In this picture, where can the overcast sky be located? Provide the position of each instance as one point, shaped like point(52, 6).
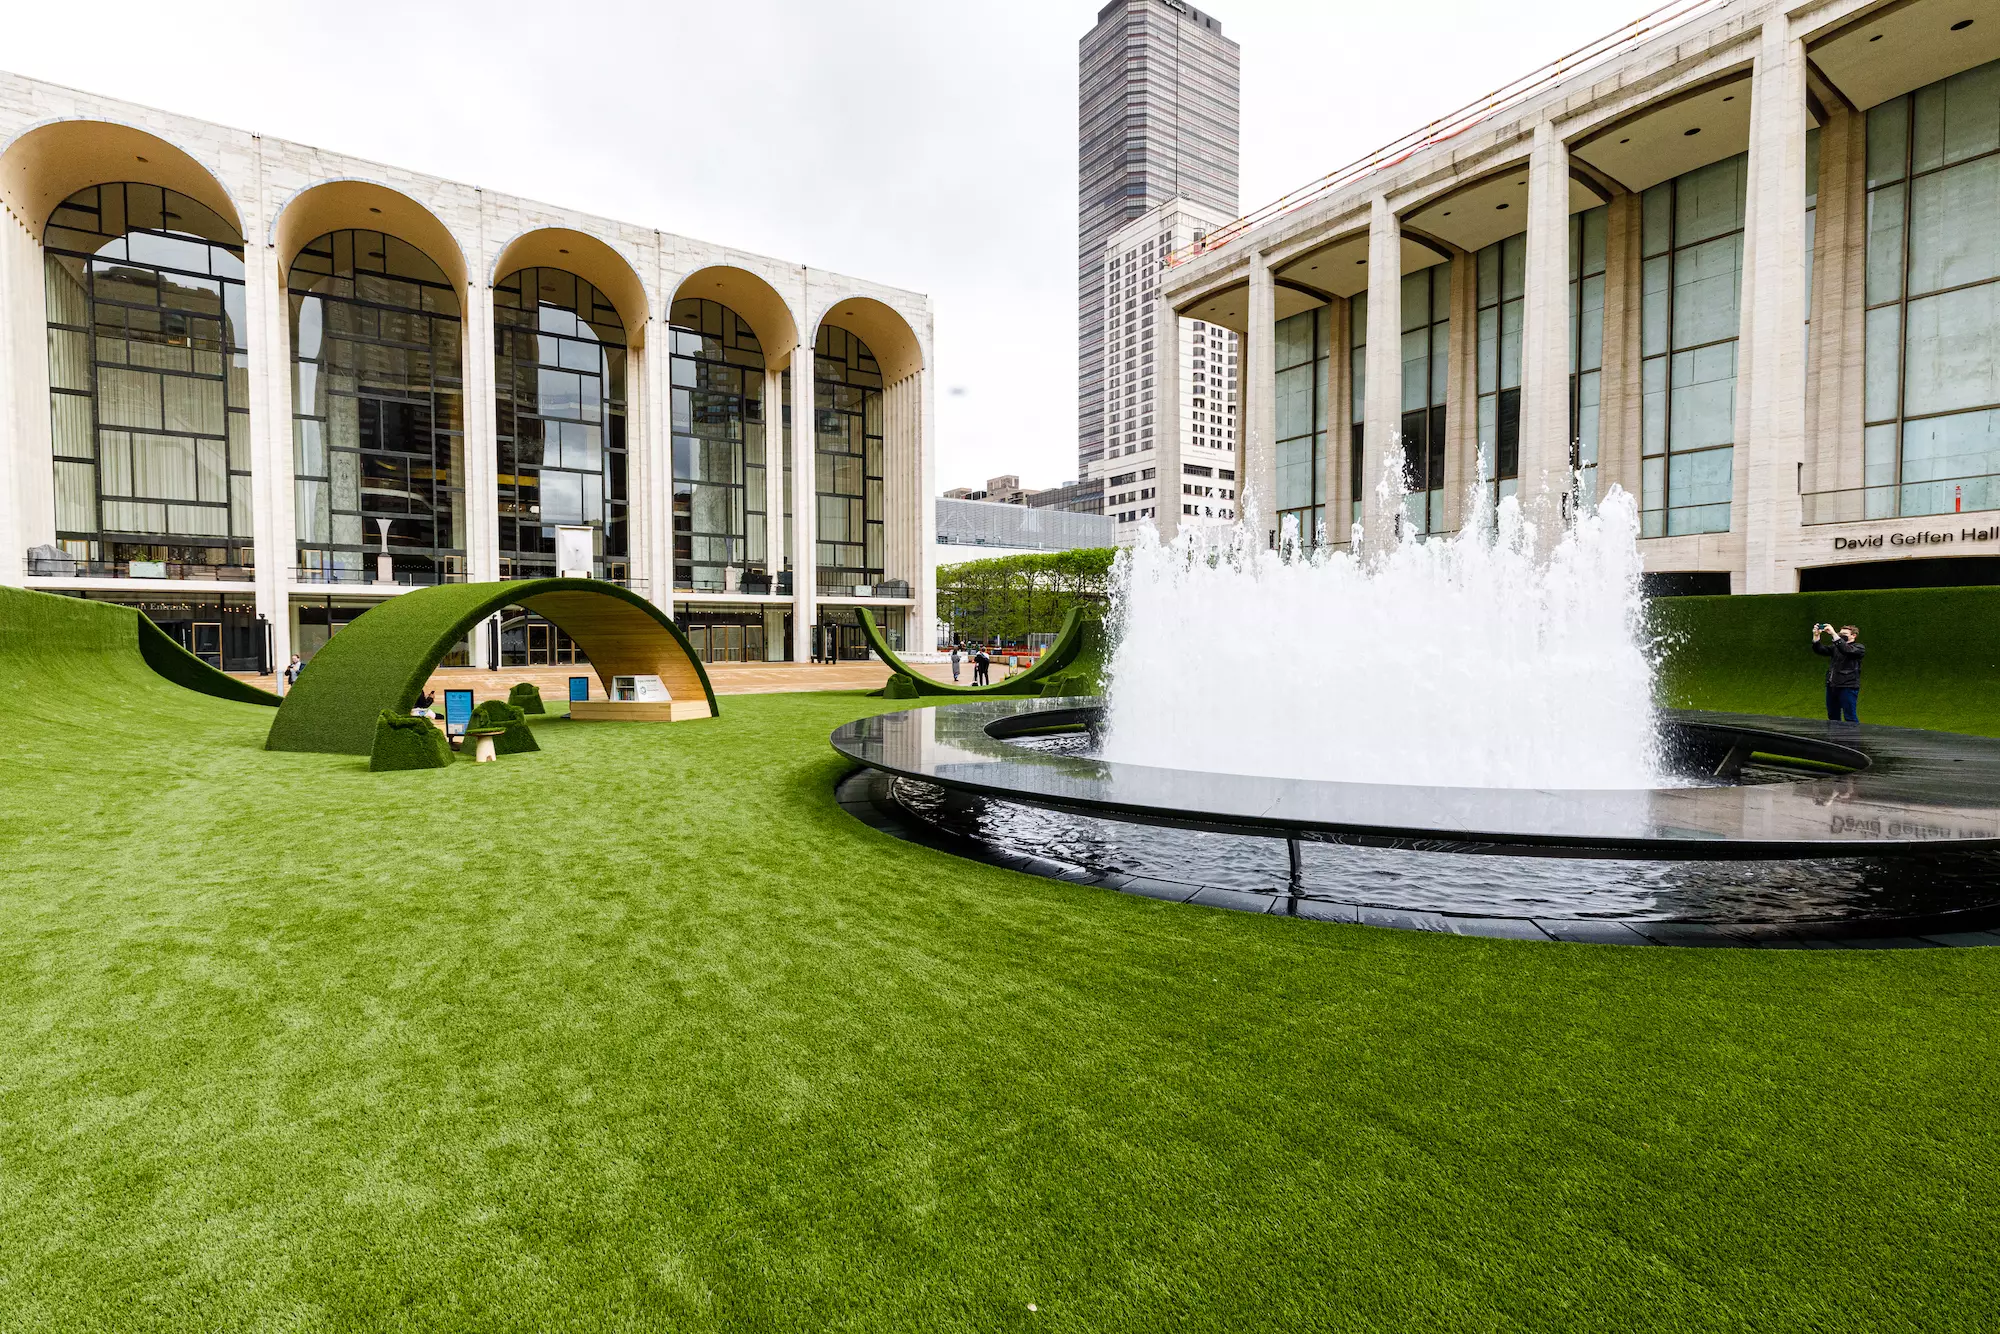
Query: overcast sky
point(926, 144)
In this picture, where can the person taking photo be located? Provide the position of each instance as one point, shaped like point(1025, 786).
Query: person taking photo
point(1843, 673)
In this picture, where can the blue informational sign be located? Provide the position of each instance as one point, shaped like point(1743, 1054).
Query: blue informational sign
point(457, 712)
point(579, 688)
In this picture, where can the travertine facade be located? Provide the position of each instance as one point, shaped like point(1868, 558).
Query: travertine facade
point(280, 196)
point(1636, 239)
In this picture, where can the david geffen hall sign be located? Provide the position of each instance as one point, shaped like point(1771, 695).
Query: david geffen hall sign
point(1928, 538)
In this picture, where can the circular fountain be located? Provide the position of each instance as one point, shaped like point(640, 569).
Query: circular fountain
point(1457, 735)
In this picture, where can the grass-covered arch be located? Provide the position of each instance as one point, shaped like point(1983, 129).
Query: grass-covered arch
point(382, 659)
point(1076, 632)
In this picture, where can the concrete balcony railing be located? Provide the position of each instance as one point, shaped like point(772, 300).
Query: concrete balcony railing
point(308, 574)
point(1902, 500)
point(42, 564)
point(844, 585)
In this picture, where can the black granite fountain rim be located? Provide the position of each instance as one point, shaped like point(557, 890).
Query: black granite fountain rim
point(868, 795)
point(1926, 791)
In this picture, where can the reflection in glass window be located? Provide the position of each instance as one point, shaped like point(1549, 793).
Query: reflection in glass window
point(717, 369)
point(847, 397)
point(1931, 392)
point(1426, 358)
point(559, 395)
point(148, 379)
point(1302, 343)
point(1691, 271)
point(378, 422)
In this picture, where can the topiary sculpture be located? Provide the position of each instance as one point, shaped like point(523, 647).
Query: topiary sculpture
point(405, 742)
point(527, 697)
point(517, 740)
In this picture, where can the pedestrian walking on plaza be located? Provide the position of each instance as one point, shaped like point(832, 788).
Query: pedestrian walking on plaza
point(1843, 674)
point(957, 656)
point(981, 666)
point(290, 676)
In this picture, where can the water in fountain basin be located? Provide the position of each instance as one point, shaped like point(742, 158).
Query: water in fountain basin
point(1490, 658)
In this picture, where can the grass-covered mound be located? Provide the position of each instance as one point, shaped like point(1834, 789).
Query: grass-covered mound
point(1933, 654)
point(406, 742)
point(516, 739)
point(64, 633)
point(650, 1035)
point(527, 697)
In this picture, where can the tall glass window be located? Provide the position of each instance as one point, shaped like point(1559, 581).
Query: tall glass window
point(1503, 271)
point(148, 380)
point(1359, 479)
point(559, 400)
point(378, 425)
point(1426, 362)
point(848, 441)
point(1586, 345)
point(1932, 385)
point(1302, 352)
point(1691, 278)
point(718, 410)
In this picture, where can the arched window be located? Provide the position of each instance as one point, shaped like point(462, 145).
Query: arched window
point(148, 381)
point(719, 417)
point(378, 411)
point(847, 432)
point(559, 389)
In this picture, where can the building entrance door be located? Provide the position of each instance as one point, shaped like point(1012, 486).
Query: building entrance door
point(538, 644)
point(208, 642)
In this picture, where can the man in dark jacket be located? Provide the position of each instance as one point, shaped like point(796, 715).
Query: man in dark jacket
point(1843, 674)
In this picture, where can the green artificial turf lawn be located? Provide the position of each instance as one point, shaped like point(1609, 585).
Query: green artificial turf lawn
point(642, 1032)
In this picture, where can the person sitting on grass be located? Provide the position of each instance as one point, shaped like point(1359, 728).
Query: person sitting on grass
point(1843, 674)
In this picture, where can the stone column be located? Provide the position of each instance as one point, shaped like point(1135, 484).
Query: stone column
point(27, 471)
point(1334, 488)
point(1257, 402)
point(774, 470)
point(267, 336)
point(1545, 329)
point(1166, 420)
point(1461, 432)
point(482, 449)
point(1382, 413)
point(1835, 365)
point(805, 504)
point(1618, 425)
point(912, 512)
point(1770, 440)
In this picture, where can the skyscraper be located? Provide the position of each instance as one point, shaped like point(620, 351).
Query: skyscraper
point(1157, 121)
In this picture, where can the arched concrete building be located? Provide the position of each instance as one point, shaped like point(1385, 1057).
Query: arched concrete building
point(254, 388)
point(1738, 258)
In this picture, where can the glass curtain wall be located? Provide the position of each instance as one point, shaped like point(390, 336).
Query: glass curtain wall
point(559, 412)
point(1691, 241)
point(1426, 362)
point(148, 381)
point(1586, 346)
point(1502, 281)
point(1932, 383)
point(1302, 350)
point(717, 368)
point(378, 424)
point(848, 444)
